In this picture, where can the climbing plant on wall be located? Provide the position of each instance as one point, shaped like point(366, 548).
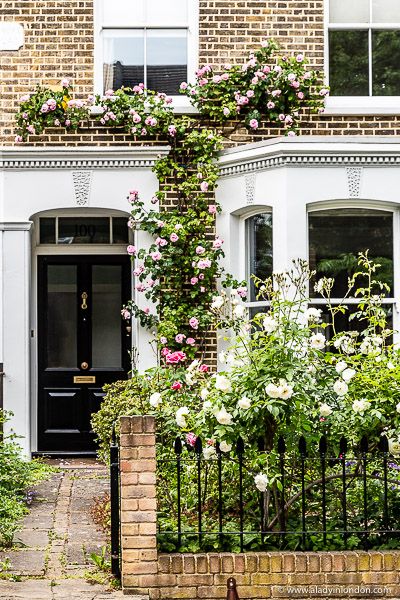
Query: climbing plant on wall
point(177, 274)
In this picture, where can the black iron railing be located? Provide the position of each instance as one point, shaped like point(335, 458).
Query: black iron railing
point(318, 496)
point(115, 507)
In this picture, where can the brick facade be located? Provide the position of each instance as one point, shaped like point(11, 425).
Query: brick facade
point(204, 576)
point(59, 41)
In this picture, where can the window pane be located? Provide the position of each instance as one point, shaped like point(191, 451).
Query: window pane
point(345, 321)
point(386, 63)
point(120, 230)
point(166, 59)
point(259, 247)
point(160, 12)
point(61, 316)
point(123, 58)
point(48, 231)
point(385, 11)
point(106, 316)
point(348, 63)
point(337, 236)
point(345, 11)
point(83, 231)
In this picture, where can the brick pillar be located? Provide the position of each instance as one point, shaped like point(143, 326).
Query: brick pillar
point(138, 502)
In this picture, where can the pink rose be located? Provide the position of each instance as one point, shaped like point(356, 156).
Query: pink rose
point(180, 337)
point(299, 58)
point(173, 237)
point(136, 118)
point(176, 385)
point(242, 291)
point(18, 139)
point(165, 351)
point(146, 310)
point(270, 104)
point(172, 130)
point(191, 439)
point(183, 85)
point(161, 242)
point(138, 271)
point(212, 209)
point(253, 123)
point(226, 111)
point(300, 95)
point(155, 255)
point(65, 82)
point(131, 250)
point(193, 322)
point(204, 264)
point(163, 340)
point(190, 341)
point(200, 250)
point(125, 314)
point(281, 117)
point(203, 368)
point(201, 276)
point(174, 358)
point(204, 186)
point(250, 93)
point(194, 280)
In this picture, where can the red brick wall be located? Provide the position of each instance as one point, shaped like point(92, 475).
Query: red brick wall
point(204, 576)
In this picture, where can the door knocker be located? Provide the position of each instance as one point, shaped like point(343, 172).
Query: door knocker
point(84, 298)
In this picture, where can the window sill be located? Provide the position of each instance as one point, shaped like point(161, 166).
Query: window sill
point(180, 104)
point(362, 105)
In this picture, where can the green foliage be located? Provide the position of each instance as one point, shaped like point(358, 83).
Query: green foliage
point(17, 476)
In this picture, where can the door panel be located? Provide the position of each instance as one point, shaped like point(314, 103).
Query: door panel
point(82, 344)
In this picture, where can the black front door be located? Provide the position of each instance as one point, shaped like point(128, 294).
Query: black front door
point(82, 344)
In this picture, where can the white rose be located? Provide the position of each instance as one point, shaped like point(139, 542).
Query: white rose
point(348, 374)
point(180, 416)
point(155, 400)
point(239, 311)
point(272, 390)
point(317, 341)
point(325, 410)
point(222, 383)
point(341, 366)
point(261, 481)
point(285, 390)
point(209, 452)
point(313, 314)
point(398, 407)
point(390, 365)
point(193, 365)
point(359, 406)
point(244, 403)
point(207, 404)
point(340, 387)
point(270, 324)
point(230, 359)
point(204, 393)
point(189, 378)
point(225, 447)
point(222, 357)
point(223, 417)
point(217, 303)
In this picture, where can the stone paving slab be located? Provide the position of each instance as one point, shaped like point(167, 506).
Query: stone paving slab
point(53, 549)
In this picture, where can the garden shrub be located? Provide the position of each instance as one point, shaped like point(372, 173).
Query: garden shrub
point(17, 476)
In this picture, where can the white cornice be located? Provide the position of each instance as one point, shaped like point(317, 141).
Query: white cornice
point(139, 157)
point(16, 226)
point(309, 151)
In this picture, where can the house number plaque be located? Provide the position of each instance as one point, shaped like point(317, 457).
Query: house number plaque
point(84, 379)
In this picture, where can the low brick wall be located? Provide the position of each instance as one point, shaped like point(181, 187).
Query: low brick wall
point(259, 575)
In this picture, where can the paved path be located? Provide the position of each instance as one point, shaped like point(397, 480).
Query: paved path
point(58, 537)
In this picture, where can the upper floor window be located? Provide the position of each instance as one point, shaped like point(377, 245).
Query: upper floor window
point(147, 41)
point(364, 47)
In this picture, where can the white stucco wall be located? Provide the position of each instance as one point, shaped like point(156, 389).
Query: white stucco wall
point(34, 181)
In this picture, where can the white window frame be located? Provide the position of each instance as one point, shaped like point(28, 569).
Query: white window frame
point(394, 300)
point(246, 255)
point(357, 105)
point(180, 103)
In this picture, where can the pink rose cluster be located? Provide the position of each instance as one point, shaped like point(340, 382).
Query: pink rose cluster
point(174, 358)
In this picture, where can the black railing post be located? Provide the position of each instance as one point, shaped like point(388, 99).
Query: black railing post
point(303, 454)
point(198, 446)
point(364, 450)
point(219, 458)
point(114, 502)
point(282, 511)
point(239, 452)
point(343, 451)
point(322, 453)
point(384, 447)
point(178, 452)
